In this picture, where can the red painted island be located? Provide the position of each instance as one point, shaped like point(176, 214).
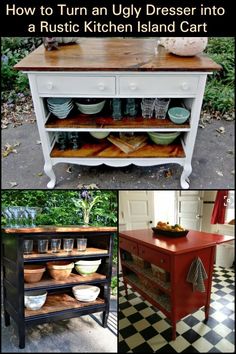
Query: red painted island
point(157, 267)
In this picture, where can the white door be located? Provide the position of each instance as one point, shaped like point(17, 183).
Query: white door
point(190, 208)
point(136, 209)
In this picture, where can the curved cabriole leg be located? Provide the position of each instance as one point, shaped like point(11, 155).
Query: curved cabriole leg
point(184, 179)
point(49, 172)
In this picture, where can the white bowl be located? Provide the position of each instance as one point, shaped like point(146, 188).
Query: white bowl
point(99, 135)
point(90, 108)
point(87, 267)
point(86, 292)
point(34, 300)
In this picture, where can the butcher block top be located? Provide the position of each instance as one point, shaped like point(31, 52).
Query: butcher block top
point(113, 54)
point(193, 241)
point(58, 229)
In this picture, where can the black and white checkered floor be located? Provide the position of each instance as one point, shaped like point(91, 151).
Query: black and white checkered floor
point(144, 329)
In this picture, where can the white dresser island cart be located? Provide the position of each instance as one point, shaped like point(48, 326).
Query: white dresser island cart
point(121, 68)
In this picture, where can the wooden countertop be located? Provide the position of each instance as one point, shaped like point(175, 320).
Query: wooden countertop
point(193, 241)
point(58, 229)
point(113, 54)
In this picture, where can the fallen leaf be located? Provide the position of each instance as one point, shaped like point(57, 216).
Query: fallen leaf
point(221, 130)
point(87, 186)
point(220, 173)
point(13, 184)
point(69, 169)
point(230, 152)
point(8, 148)
point(40, 174)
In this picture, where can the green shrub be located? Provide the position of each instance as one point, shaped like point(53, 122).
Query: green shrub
point(58, 207)
point(219, 93)
point(13, 49)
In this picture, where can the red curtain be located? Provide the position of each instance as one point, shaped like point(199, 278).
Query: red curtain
point(218, 214)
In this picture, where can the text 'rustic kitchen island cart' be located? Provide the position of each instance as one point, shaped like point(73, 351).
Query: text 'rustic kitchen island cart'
point(115, 68)
point(60, 303)
point(157, 268)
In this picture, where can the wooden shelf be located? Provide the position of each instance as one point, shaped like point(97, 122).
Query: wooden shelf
point(90, 251)
point(61, 302)
point(147, 272)
point(71, 280)
point(160, 301)
point(104, 149)
point(82, 121)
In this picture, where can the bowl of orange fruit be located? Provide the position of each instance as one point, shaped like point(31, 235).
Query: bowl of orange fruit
point(165, 229)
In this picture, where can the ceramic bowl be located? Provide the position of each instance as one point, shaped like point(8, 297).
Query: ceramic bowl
point(90, 108)
point(86, 292)
point(60, 270)
point(33, 273)
point(87, 267)
point(34, 300)
point(163, 138)
point(178, 115)
point(99, 135)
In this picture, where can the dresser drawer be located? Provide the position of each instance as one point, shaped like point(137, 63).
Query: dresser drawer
point(127, 245)
point(75, 85)
point(158, 258)
point(158, 85)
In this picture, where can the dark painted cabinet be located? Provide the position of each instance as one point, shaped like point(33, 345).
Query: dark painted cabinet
point(60, 303)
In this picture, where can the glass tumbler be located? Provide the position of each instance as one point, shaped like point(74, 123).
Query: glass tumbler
point(81, 244)
point(42, 246)
point(147, 106)
point(68, 244)
point(161, 107)
point(55, 245)
point(28, 246)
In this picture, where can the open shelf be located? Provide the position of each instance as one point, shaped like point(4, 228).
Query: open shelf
point(48, 282)
point(90, 251)
point(160, 301)
point(147, 272)
point(61, 302)
point(105, 149)
point(88, 122)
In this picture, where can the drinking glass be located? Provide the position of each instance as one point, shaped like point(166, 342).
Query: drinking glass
point(116, 109)
point(23, 217)
point(28, 246)
point(161, 106)
point(147, 106)
point(42, 246)
point(81, 244)
point(15, 213)
point(8, 215)
point(68, 244)
point(130, 108)
point(32, 212)
point(55, 245)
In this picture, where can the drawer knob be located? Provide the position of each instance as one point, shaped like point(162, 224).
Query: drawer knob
point(185, 86)
point(133, 86)
point(101, 86)
point(49, 85)
point(162, 261)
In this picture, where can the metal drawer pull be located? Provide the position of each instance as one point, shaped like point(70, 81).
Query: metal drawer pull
point(185, 86)
point(133, 86)
point(101, 86)
point(50, 85)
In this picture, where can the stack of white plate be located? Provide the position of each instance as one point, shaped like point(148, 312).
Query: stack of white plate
point(60, 107)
